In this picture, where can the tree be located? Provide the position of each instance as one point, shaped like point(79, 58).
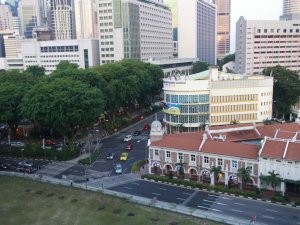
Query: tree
point(63, 104)
point(200, 66)
point(244, 175)
point(180, 168)
point(273, 179)
point(286, 90)
point(217, 170)
point(36, 71)
point(226, 59)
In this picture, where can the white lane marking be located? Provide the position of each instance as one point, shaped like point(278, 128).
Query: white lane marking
point(269, 217)
point(208, 200)
point(238, 203)
point(135, 184)
point(217, 210)
point(128, 188)
point(219, 203)
point(184, 193)
point(182, 199)
point(271, 210)
point(155, 193)
point(236, 210)
point(203, 207)
point(213, 195)
point(163, 189)
point(225, 198)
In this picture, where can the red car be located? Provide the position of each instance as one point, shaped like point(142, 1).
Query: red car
point(50, 142)
point(147, 127)
point(129, 147)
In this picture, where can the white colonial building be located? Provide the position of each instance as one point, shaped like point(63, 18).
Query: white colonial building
point(216, 98)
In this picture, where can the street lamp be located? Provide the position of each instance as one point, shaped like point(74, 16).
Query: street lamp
point(90, 148)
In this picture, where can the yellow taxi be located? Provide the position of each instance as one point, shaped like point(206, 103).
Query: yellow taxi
point(124, 156)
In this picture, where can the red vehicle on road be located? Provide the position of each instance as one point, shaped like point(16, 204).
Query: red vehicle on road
point(129, 147)
point(147, 127)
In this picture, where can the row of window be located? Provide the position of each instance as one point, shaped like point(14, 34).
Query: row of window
point(194, 108)
point(187, 118)
point(277, 30)
point(185, 99)
point(233, 108)
point(234, 98)
point(72, 48)
point(236, 117)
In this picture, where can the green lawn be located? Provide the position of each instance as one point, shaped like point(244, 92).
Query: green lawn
point(28, 202)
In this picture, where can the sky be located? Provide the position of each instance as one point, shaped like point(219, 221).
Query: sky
point(253, 10)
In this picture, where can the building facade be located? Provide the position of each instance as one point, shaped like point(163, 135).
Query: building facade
point(63, 19)
point(197, 35)
point(261, 44)
point(291, 7)
point(216, 98)
point(6, 19)
point(30, 16)
point(134, 29)
point(223, 27)
point(48, 54)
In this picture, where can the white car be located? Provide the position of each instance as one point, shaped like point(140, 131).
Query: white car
point(118, 169)
point(128, 138)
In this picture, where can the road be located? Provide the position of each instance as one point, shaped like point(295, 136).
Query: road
point(266, 213)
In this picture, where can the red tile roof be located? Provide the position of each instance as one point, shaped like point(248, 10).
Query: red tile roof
point(241, 135)
point(285, 134)
point(273, 149)
point(231, 126)
point(230, 149)
point(270, 130)
point(293, 152)
point(183, 141)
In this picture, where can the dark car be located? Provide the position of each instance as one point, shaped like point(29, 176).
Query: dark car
point(136, 133)
point(4, 166)
point(26, 163)
point(147, 127)
point(110, 156)
point(25, 169)
point(129, 147)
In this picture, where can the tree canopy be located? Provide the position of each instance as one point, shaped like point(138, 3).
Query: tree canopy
point(286, 90)
point(226, 59)
point(200, 66)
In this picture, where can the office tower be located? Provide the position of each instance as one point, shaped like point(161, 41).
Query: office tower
point(62, 19)
point(13, 6)
point(16, 25)
point(85, 17)
point(261, 44)
point(223, 27)
point(134, 29)
point(291, 10)
point(197, 23)
point(30, 16)
point(6, 19)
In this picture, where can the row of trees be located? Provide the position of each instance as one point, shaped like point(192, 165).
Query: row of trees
point(71, 98)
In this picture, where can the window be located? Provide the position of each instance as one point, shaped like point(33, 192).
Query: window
point(234, 164)
point(206, 159)
point(193, 158)
point(250, 165)
point(220, 162)
point(156, 152)
point(180, 156)
point(168, 154)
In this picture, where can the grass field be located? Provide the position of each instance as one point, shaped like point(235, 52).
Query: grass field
point(25, 202)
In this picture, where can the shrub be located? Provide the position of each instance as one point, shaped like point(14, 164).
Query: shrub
point(278, 198)
point(137, 165)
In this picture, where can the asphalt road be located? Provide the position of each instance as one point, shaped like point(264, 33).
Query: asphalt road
point(266, 213)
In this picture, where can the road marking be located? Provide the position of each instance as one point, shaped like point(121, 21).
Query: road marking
point(225, 198)
point(208, 200)
point(271, 210)
point(155, 193)
point(182, 199)
point(269, 217)
point(220, 203)
point(202, 207)
point(128, 188)
point(163, 189)
point(213, 195)
point(184, 193)
point(217, 210)
point(236, 210)
point(238, 203)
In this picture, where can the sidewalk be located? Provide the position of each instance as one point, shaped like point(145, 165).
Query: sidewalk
point(82, 156)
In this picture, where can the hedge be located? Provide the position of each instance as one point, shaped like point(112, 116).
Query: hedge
point(137, 165)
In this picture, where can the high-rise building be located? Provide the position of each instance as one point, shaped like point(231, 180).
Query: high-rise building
point(17, 25)
point(63, 19)
point(291, 10)
point(13, 6)
point(134, 29)
point(30, 16)
point(223, 27)
point(261, 44)
point(197, 22)
point(86, 18)
point(6, 19)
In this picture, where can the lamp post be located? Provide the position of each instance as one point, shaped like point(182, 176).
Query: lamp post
point(90, 148)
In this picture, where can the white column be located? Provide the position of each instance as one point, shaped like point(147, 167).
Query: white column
point(258, 183)
point(212, 178)
point(226, 176)
point(283, 188)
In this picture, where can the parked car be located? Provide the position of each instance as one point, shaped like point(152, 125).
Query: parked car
point(17, 144)
point(124, 156)
point(59, 147)
point(147, 127)
point(3, 126)
point(50, 142)
point(136, 133)
point(25, 169)
point(129, 147)
point(118, 169)
point(4, 166)
point(26, 163)
point(110, 156)
point(128, 138)
point(280, 120)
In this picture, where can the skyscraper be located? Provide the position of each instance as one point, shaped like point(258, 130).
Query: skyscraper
point(6, 19)
point(223, 27)
point(63, 19)
point(291, 10)
point(197, 23)
point(134, 29)
point(13, 6)
point(30, 16)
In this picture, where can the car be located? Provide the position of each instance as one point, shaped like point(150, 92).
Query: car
point(25, 169)
point(280, 120)
point(118, 169)
point(110, 155)
point(147, 127)
point(128, 138)
point(17, 144)
point(129, 147)
point(50, 142)
point(59, 147)
point(4, 165)
point(124, 156)
point(137, 133)
point(26, 163)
